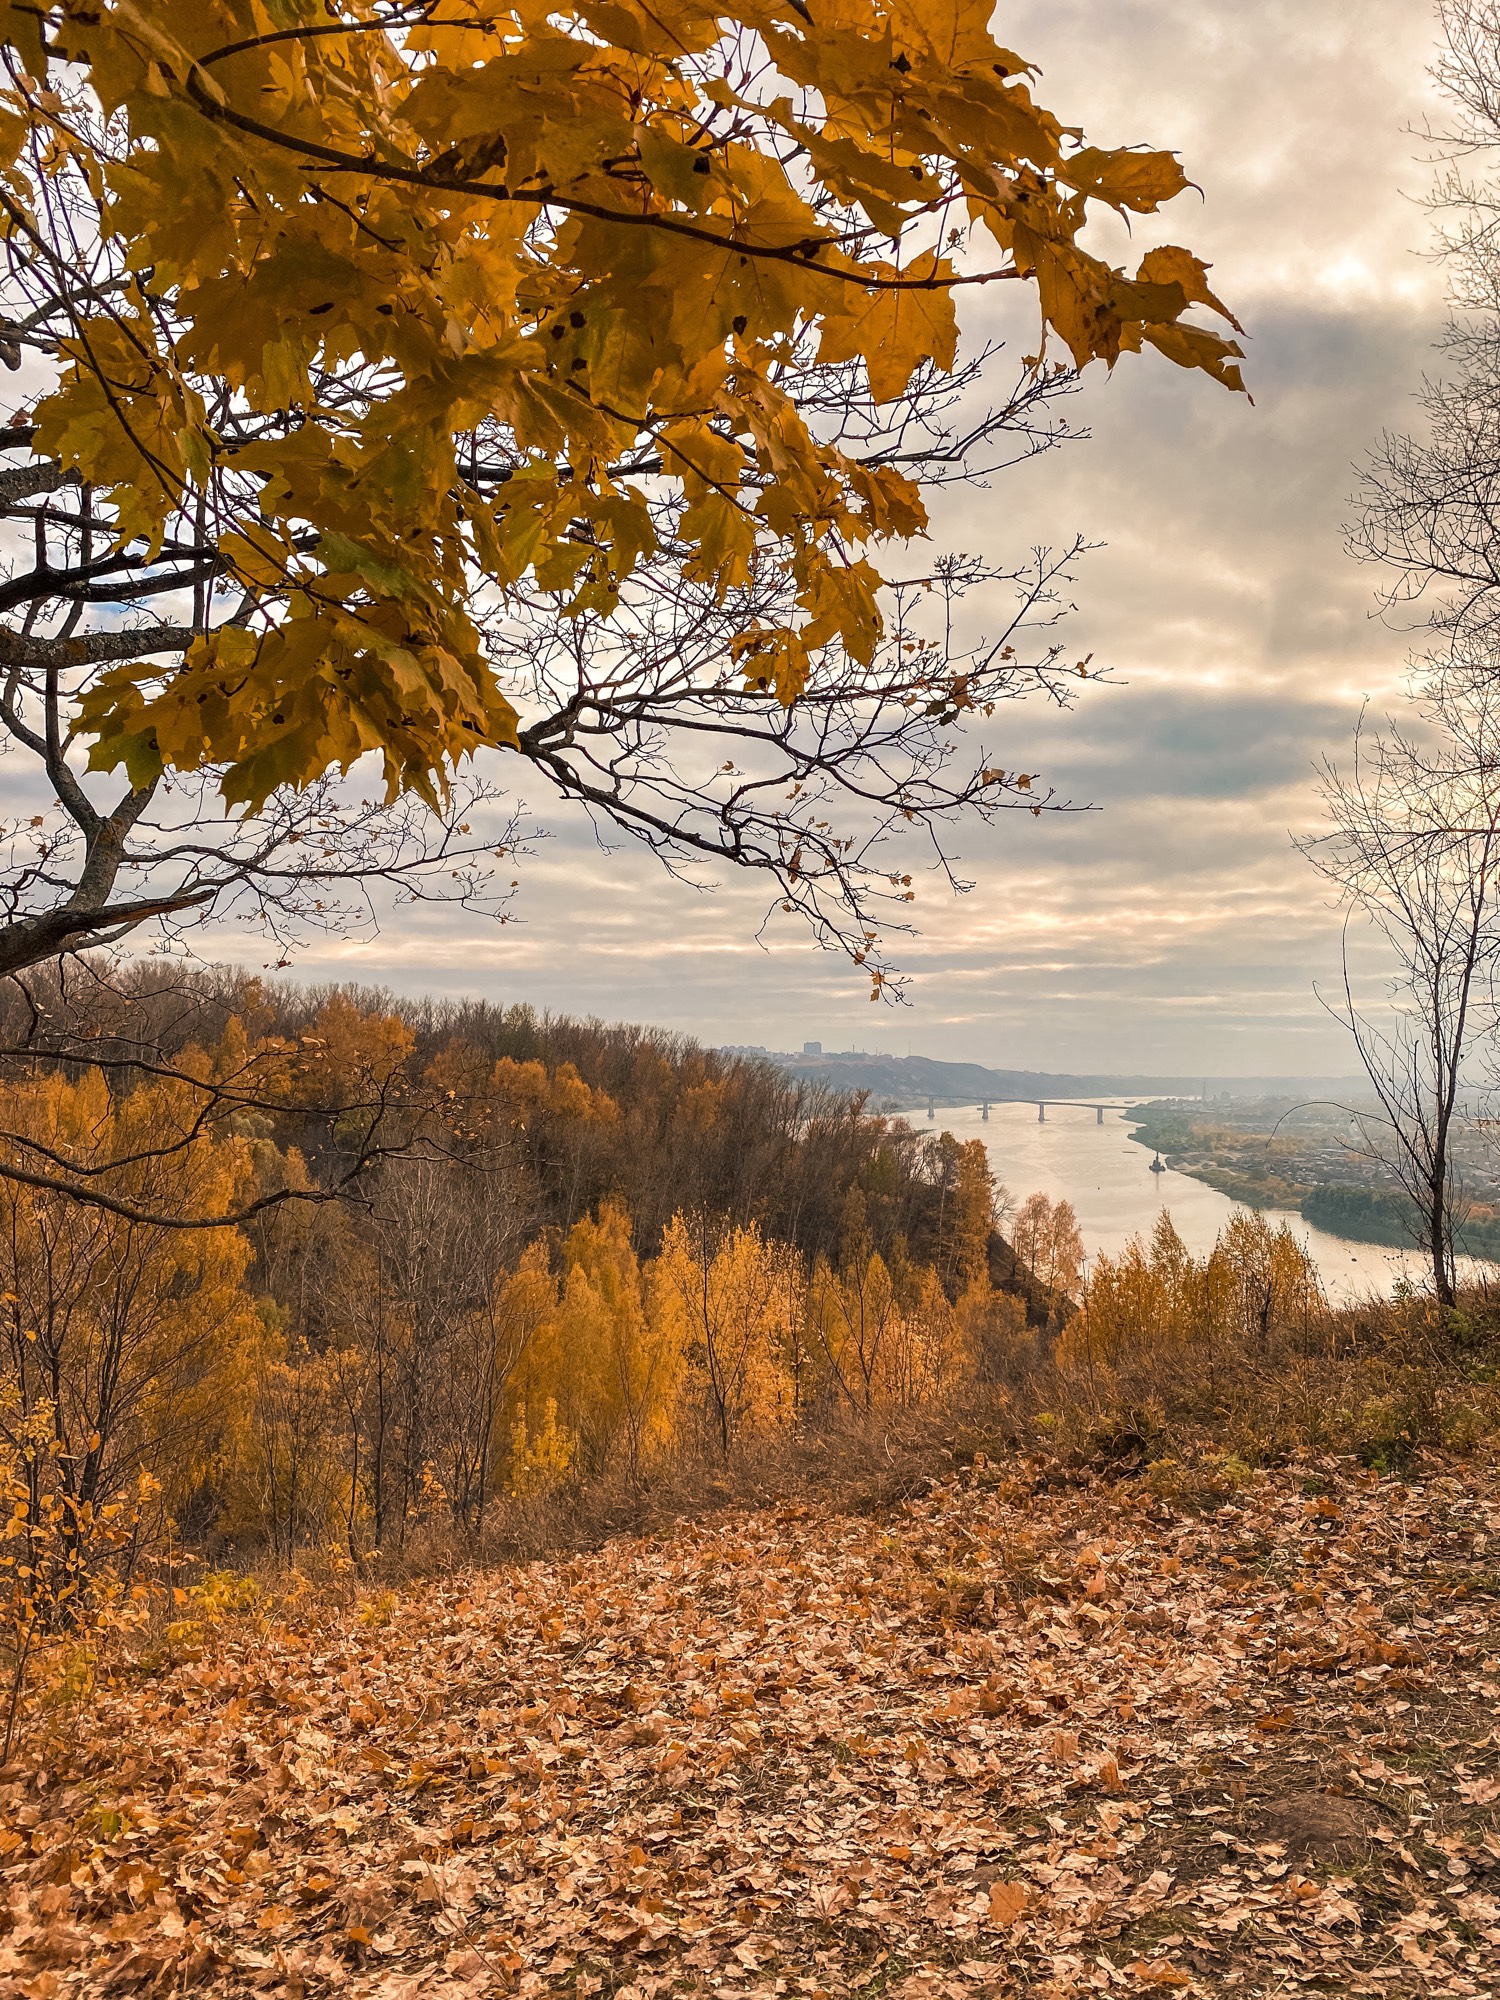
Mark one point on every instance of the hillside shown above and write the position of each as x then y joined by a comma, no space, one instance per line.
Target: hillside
485,1254
1009,1737
911,1080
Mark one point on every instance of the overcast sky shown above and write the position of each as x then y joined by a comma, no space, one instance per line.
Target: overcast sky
1174,928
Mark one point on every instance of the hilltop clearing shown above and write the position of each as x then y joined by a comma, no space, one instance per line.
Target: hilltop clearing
1008,1737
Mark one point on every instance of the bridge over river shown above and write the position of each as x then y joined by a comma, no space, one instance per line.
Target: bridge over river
1042,1103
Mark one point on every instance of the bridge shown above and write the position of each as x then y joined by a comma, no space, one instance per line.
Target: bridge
1041,1103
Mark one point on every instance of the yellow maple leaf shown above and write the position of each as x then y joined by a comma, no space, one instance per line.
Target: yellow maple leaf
906,318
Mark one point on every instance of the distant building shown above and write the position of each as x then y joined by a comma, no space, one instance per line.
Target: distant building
812,1048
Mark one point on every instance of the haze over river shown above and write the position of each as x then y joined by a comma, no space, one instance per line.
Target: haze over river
1107,1176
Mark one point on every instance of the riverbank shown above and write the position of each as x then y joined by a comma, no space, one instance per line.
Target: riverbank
1106,1176
1262,1169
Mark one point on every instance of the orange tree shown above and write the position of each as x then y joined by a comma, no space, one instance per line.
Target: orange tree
411,378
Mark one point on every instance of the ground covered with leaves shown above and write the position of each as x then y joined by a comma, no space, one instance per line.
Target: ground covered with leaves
1020,1735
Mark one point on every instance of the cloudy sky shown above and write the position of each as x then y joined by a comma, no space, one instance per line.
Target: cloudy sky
1174,928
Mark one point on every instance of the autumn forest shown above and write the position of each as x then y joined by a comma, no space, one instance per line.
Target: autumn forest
583,1250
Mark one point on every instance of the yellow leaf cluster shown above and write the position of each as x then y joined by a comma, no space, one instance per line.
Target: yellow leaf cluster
403,300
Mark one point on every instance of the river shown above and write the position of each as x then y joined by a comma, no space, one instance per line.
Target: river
1107,1177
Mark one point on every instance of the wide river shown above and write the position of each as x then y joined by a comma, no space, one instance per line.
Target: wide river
1107,1177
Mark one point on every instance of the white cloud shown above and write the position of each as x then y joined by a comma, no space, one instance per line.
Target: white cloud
1175,928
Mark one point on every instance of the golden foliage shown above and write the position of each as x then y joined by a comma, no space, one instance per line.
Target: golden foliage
129,1334
1047,1239
731,1298
886,1339
1254,1284
354,1376
602,235
600,1370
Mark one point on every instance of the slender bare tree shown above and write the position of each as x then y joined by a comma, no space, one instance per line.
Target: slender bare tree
1413,838
1413,847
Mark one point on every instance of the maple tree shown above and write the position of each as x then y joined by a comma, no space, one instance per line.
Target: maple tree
410,379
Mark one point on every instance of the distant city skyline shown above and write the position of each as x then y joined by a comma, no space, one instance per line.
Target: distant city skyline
859,1067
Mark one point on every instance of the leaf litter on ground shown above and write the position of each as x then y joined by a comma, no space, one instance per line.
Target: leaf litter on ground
1013,1737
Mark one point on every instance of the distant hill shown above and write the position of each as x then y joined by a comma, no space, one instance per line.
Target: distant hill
899,1081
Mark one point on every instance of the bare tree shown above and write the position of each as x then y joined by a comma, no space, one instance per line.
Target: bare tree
442,1234
1429,508
643,710
1413,847
94,864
